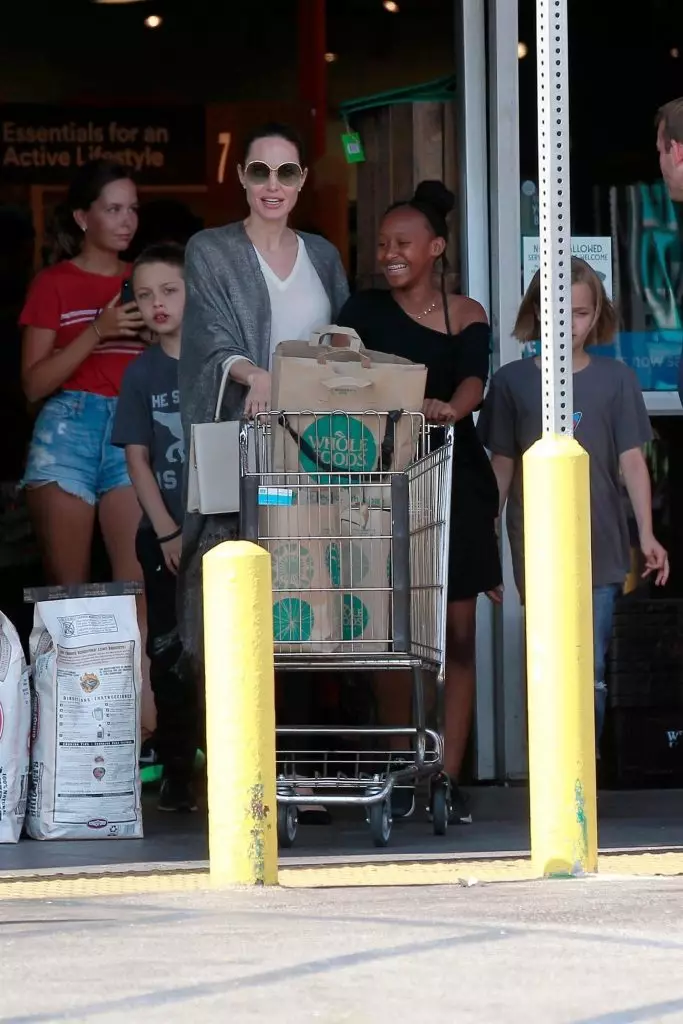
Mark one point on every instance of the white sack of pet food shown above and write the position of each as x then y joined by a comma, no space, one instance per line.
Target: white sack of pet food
87,682
15,731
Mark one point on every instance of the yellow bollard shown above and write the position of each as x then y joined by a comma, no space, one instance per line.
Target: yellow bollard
559,629
240,715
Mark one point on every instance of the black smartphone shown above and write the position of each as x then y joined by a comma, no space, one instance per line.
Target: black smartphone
127,292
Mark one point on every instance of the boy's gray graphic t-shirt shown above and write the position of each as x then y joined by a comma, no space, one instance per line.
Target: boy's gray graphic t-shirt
148,414
610,418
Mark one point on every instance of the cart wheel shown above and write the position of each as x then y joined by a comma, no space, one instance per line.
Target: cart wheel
287,823
379,816
440,810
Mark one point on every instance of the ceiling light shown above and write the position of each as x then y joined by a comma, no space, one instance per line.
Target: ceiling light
391,6
153,21
331,57
522,50
674,52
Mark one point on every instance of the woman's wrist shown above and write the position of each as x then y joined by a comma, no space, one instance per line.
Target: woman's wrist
171,535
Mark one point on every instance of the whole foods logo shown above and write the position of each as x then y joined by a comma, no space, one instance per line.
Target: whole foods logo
355,617
342,443
293,567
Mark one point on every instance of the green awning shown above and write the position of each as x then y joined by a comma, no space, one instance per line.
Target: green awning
439,91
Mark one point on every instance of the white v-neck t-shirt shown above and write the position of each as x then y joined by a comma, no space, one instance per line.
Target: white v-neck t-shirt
299,303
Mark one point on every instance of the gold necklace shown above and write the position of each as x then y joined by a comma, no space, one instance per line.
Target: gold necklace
426,312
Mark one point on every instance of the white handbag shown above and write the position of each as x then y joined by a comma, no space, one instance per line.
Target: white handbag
213,481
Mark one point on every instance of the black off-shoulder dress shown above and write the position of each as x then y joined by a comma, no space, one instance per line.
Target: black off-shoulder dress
474,561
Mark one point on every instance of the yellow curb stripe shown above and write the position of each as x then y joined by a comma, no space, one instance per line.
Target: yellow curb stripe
407,873
69,887
343,876
641,864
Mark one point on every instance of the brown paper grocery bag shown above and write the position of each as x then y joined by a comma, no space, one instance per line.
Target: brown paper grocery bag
329,388
299,536
361,569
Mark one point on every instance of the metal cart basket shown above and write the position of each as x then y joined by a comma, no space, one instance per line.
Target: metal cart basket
359,556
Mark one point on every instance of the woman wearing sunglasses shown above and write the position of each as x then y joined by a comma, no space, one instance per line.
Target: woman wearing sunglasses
250,285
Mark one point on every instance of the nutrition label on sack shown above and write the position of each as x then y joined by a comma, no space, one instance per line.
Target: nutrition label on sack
87,625
96,728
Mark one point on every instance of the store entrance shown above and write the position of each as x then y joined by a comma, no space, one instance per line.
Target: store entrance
625,226
643,742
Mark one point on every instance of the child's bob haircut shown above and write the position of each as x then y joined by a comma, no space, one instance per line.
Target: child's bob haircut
528,323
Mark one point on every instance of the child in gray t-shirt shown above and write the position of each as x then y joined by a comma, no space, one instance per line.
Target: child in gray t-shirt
610,422
147,425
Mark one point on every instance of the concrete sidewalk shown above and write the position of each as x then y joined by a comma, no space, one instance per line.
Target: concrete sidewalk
572,952
644,820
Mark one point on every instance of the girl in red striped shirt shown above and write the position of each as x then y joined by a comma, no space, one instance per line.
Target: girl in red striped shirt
78,339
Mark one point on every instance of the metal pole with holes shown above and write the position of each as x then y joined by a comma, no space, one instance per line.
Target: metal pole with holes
557,518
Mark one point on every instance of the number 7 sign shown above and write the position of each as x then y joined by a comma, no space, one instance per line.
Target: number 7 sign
224,140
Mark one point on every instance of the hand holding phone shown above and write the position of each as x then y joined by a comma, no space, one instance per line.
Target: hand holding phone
127,292
119,321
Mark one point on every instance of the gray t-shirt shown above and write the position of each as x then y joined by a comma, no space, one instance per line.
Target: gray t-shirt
148,413
610,418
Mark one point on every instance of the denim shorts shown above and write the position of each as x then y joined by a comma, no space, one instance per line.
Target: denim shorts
71,446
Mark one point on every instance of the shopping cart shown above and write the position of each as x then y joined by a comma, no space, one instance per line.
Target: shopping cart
359,555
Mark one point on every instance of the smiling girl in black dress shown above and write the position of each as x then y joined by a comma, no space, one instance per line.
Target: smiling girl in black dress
450,334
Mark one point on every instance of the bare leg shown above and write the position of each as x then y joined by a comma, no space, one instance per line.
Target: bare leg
64,527
393,689
119,519
460,681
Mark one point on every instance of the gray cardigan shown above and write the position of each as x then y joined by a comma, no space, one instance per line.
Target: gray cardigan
227,313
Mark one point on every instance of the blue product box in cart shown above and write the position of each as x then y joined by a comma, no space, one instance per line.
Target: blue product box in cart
276,496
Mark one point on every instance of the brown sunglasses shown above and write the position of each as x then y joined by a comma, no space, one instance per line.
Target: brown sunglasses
289,175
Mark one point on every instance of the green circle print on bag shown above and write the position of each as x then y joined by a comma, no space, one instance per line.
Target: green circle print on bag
292,566
342,443
355,563
292,621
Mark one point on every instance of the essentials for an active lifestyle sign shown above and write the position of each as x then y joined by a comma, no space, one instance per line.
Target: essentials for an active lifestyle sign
44,145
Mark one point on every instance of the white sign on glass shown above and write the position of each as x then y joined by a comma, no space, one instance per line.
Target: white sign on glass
596,251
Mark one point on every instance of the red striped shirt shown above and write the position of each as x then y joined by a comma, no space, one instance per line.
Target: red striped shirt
65,299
